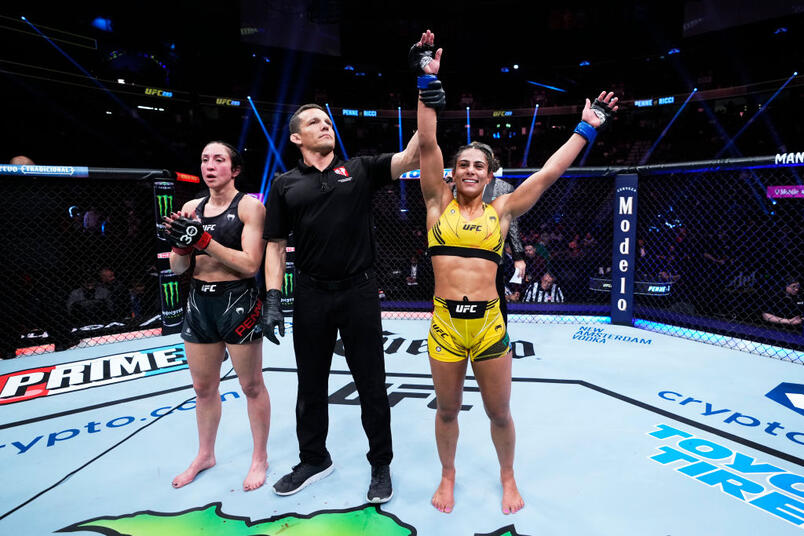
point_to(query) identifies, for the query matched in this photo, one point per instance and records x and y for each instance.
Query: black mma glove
(419, 56)
(272, 315)
(603, 112)
(433, 96)
(184, 232)
(431, 93)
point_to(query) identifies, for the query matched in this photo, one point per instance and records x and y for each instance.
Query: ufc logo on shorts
(465, 308)
(208, 288)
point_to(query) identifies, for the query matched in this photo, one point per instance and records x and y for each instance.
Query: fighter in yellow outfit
(462, 329)
(465, 237)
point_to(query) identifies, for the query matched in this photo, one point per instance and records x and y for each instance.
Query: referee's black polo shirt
(329, 213)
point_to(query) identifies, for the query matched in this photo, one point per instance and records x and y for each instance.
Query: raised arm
(522, 199)
(431, 99)
(407, 160)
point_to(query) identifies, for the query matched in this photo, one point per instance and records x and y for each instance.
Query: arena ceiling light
(102, 23)
(547, 86)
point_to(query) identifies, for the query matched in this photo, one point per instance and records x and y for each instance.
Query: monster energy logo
(165, 204)
(287, 286)
(171, 292)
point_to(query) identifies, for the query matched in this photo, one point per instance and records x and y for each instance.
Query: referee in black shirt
(326, 203)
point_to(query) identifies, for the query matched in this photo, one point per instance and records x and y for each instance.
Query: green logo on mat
(361, 521)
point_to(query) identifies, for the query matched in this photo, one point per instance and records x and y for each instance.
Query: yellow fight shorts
(462, 329)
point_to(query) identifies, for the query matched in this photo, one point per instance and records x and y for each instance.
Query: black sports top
(225, 228)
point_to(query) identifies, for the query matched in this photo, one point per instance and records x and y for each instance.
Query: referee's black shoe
(301, 476)
(380, 489)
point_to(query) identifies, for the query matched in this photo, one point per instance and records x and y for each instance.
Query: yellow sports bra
(453, 235)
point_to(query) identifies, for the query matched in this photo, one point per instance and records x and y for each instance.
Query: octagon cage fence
(708, 250)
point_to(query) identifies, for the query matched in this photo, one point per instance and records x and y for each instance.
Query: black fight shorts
(227, 311)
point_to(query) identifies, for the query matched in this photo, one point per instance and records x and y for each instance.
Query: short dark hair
(234, 155)
(491, 162)
(294, 119)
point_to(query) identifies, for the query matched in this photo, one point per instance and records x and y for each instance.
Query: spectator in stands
(21, 160)
(574, 250)
(512, 292)
(555, 235)
(536, 259)
(667, 264)
(545, 291)
(413, 271)
(92, 220)
(531, 236)
(137, 300)
(588, 242)
(786, 309)
(119, 294)
(89, 303)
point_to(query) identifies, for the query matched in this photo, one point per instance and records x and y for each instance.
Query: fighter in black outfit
(223, 232)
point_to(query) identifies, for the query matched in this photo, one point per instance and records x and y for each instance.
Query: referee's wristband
(424, 80)
(587, 131)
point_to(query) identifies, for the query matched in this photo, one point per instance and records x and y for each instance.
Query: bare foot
(512, 501)
(199, 464)
(444, 497)
(256, 476)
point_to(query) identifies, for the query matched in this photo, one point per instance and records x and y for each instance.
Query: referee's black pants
(318, 315)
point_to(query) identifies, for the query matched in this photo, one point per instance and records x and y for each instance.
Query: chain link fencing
(716, 259)
(730, 256)
(81, 259)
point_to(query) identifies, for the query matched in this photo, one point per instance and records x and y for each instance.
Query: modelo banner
(622, 258)
(172, 310)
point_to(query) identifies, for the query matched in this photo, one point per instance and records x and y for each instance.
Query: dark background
(201, 51)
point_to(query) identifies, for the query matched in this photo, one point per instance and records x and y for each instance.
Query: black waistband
(339, 284)
(458, 251)
(467, 309)
(215, 288)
